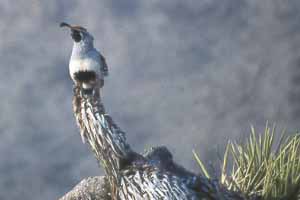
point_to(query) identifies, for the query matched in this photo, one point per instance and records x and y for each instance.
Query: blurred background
(186, 74)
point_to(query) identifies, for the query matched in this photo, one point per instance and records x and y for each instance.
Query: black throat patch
(76, 35)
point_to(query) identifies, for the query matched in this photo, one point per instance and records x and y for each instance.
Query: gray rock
(91, 188)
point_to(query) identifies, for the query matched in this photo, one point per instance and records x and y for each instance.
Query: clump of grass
(260, 167)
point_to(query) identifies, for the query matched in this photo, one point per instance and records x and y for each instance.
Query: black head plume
(75, 31)
(64, 24)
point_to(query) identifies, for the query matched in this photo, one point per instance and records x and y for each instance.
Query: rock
(91, 188)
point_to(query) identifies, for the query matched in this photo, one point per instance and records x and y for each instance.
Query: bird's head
(78, 33)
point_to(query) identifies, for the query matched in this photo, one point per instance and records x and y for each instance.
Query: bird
(132, 176)
(87, 65)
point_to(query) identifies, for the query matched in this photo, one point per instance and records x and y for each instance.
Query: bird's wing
(104, 68)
